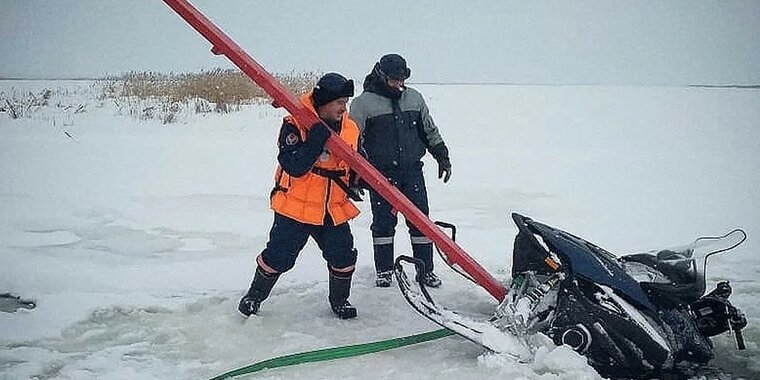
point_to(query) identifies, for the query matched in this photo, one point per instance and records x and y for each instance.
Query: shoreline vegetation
(161, 96)
(171, 97)
(313, 76)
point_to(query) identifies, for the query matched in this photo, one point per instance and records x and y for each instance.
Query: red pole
(222, 44)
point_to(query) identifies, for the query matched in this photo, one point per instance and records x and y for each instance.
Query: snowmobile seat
(682, 283)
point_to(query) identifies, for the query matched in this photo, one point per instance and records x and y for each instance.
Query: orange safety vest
(308, 197)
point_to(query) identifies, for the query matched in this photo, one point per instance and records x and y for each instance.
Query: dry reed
(221, 90)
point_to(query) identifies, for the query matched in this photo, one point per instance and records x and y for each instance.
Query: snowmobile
(634, 316)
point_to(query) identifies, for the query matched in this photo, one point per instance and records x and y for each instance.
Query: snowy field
(136, 239)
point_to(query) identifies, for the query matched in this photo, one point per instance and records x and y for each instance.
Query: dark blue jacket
(396, 126)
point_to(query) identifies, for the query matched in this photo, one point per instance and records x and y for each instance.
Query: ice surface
(136, 239)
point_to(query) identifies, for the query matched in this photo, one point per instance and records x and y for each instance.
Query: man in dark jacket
(397, 129)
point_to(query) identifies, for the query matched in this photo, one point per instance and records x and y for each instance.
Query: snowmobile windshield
(687, 263)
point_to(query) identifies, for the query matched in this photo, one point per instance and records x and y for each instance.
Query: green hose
(336, 353)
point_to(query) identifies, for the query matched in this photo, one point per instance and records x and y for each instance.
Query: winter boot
(260, 287)
(384, 279)
(340, 289)
(383, 249)
(424, 252)
(429, 279)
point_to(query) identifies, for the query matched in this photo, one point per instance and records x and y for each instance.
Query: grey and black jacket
(396, 126)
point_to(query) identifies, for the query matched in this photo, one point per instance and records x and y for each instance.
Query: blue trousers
(288, 237)
(411, 183)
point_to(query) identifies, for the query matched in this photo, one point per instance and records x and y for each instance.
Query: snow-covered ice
(136, 239)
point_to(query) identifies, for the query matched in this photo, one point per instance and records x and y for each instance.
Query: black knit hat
(330, 87)
(394, 66)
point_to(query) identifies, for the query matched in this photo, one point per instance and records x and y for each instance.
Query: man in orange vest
(311, 198)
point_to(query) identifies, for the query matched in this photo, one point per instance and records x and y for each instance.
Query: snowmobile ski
(482, 333)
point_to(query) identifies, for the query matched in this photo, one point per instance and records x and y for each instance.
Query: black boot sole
(345, 312)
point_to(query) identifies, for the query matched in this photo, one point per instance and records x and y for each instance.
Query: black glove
(318, 135)
(356, 183)
(441, 154)
(358, 191)
(444, 170)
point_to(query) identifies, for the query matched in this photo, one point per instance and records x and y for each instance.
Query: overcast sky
(601, 41)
